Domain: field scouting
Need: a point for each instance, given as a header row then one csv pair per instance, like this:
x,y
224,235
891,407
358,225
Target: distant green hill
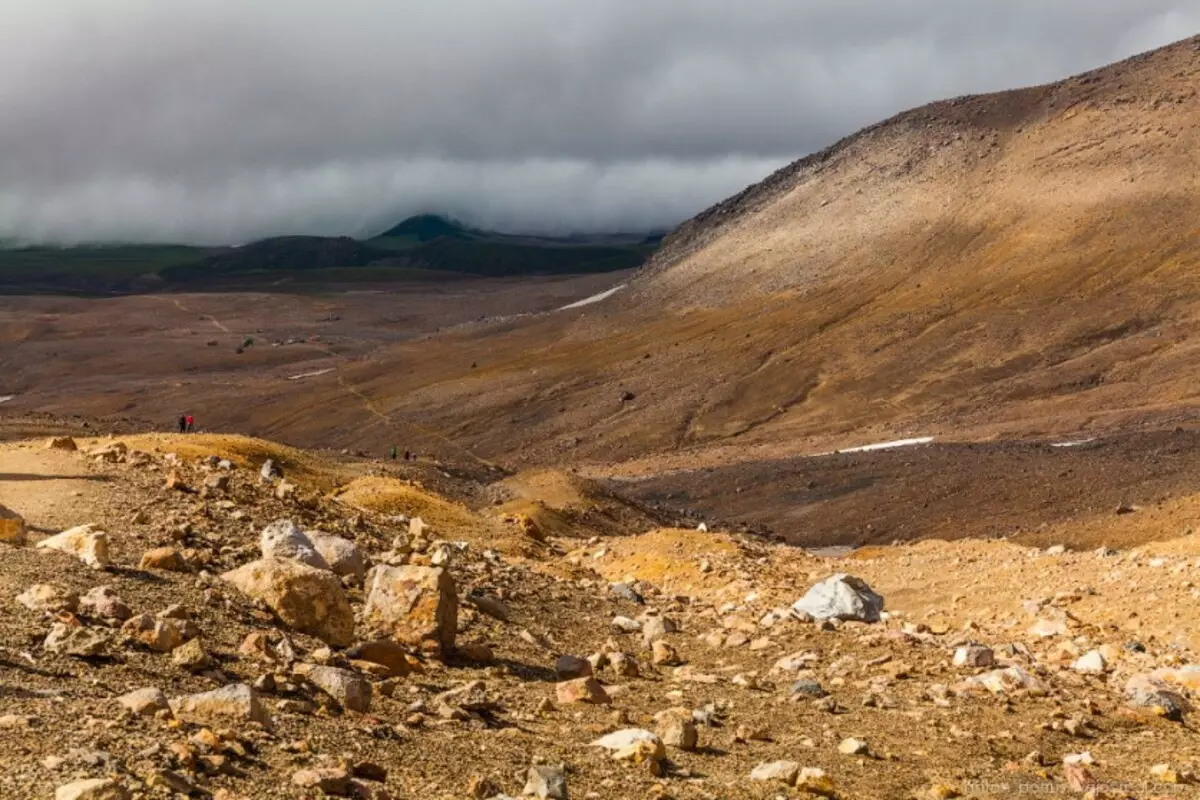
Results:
x,y
419,247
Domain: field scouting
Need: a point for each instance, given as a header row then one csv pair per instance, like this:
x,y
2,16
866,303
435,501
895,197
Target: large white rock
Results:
x,y
619,740
84,542
842,597
285,539
305,598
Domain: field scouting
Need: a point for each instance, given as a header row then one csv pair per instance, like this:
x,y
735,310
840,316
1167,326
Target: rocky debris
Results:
x,y
335,781
76,640
217,483
164,559
228,705
92,789
465,701
349,690
12,527
144,702
581,690
416,606
84,542
626,625
546,783
489,605
305,598
1006,681
103,602
342,555
64,443
284,539
633,744
807,688
663,655
47,597
655,628
175,483
570,667
853,747
841,597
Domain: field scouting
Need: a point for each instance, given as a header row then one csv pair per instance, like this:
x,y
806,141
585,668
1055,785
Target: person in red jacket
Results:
x,y
191,424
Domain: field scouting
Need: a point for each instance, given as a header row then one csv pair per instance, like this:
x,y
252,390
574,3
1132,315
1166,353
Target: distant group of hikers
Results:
x,y
408,456
187,423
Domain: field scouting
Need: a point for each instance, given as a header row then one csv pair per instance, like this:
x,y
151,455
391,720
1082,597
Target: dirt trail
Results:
x,y
52,490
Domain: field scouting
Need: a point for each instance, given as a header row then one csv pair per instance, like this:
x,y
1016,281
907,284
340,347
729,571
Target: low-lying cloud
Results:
x,y
223,121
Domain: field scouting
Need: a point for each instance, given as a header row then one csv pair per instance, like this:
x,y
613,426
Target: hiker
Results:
x,y
191,424
182,424
407,456
393,452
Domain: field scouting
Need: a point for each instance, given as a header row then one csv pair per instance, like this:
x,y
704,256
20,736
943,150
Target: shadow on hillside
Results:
x,y
19,476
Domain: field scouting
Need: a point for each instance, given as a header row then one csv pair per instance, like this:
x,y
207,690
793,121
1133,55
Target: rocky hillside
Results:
x,y
221,617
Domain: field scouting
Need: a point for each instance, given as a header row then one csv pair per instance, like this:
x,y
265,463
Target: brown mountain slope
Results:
x,y
1022,263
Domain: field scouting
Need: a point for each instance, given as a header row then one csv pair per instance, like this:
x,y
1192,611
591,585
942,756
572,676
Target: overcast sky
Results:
x,y
226,120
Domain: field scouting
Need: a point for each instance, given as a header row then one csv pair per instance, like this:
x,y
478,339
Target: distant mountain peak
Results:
x,y
427,227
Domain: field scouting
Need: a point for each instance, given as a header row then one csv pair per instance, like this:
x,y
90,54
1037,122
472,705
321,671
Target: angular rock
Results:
x,y
217,483
162,636
1091,663
77,641
853,747
664,655
1154,694
581,690
191,657
785,772
329,780
842,597
84,542
347,688
92,789
416,606
47,597
807,687
626,625
144,702
270,471
974,655
635,743
570,667
305,598
285,539
64,443
1008,680
103,602
12,527
384,652
655,628
165,559
546,783
222,707
342,555
677,729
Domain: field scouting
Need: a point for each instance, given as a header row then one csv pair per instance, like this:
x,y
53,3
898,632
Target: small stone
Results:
x,y
655,628
624,665
664,655
165,559
103,602
144,702
785,772
330,780
1091,663
677,729
853,747
546,782
75,640
813,780
348,689
162,636
48,598
12,527
974,655
570,667
581,690
224,706
807,688
92,789
191,657
626,625
384,652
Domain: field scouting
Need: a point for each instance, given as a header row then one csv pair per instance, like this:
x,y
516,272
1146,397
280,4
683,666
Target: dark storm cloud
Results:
x,y
226,119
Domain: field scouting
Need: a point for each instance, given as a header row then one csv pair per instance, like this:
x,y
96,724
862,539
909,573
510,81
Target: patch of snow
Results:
x,y
311,374
596,298
7,397
871,448
1078,443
